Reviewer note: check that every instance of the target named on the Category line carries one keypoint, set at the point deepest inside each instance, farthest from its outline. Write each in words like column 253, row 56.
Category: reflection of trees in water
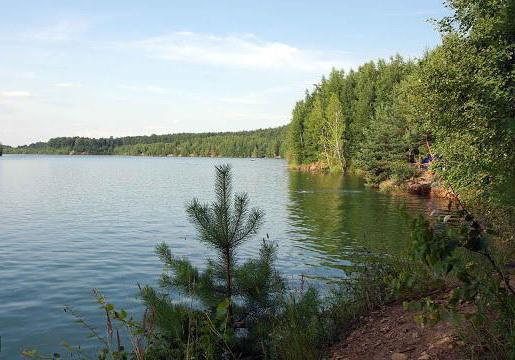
column 338, row 218
column 315, row 204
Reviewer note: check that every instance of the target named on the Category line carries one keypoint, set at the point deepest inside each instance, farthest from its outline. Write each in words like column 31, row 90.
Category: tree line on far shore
column 255, row 143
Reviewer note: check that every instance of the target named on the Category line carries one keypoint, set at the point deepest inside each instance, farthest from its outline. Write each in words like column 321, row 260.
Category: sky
column 122, row 67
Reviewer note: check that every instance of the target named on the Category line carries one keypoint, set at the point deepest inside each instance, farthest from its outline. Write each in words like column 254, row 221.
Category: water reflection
column 339, row 219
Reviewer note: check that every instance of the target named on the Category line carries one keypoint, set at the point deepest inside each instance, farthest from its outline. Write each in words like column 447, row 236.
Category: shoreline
column 423, row 185
column 152, row 156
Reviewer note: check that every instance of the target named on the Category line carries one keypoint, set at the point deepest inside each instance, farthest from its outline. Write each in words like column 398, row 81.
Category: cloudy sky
column 102, row 68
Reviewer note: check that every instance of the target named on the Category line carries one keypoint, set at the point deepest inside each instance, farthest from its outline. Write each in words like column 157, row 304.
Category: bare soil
column 391, row 333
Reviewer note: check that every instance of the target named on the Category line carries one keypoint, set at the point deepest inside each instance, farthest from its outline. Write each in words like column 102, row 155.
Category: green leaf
column 221, row 309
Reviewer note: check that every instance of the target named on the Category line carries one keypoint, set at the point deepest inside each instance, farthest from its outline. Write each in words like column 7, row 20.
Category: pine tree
column 313, row 131
column 363, row 106
column 382, row 152
column 295, row 134
column 224, row 226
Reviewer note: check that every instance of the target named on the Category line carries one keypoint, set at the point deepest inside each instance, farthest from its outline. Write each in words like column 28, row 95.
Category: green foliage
column 433, row 246
column 295, row 135
column 402, row 171
column 179, row 330
column 313, row 130
column 465, row 94
column 230, row 295
column 257, row 143
column 333, row 133
column 457, row 102
column 299, row 332
column 466, row 257
column 382, row 152
column 346, row 113
column 309, row 322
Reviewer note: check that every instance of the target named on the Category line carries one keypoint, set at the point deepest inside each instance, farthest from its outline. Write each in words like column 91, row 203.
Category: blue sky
column 102, row 68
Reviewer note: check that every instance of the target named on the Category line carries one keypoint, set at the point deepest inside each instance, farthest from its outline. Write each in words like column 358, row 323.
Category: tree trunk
column 228, row 290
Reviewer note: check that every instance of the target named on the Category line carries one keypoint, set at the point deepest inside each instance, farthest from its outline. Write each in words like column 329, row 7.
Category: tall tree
column 335, row 125
column 465, row 96
column 363, row 107
column 295, row 140
column 314, row 150
column 382, row 153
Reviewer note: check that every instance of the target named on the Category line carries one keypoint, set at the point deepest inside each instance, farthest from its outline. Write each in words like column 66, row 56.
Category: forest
column 256, row 143
column 452, row 111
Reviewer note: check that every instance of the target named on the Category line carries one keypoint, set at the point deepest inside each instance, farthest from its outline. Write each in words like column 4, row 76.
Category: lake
column 69, row 224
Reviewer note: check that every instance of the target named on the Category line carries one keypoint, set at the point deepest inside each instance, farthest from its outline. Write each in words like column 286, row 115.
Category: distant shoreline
column 259, row 143
column 153, row 156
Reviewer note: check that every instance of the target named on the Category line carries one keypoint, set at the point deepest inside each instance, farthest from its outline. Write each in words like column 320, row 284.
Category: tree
column 295, row 134
column 335, row 125
column 224, row 226
column 363, row 106
column 382, row 153
column 261, row 143
column 314, row 150
column 465, row 91
column 329, row 124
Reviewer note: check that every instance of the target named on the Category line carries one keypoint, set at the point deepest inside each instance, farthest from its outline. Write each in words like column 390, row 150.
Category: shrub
column 402, row 171
column 467, row 256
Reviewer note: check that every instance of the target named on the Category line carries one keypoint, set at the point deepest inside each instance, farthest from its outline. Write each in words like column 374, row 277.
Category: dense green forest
column 350, row 118
column 256, row 143
column 454, row 106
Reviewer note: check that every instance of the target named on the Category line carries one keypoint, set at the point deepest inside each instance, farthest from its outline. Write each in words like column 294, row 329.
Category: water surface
column 72, row 223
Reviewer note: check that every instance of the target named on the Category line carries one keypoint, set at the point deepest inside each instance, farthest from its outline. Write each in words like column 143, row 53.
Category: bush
column 466, row 255
column 402, row 171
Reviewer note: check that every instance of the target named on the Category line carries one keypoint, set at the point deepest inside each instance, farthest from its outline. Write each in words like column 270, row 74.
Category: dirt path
column 391, row 333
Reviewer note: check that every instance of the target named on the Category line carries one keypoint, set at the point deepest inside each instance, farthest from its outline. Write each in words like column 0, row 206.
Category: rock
column 385, row 329
column 419, row 187
column 424, row 356
column 399, row 356
column 443, row 342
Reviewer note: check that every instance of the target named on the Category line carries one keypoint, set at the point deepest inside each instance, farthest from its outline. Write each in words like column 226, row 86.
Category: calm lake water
column 71, row 224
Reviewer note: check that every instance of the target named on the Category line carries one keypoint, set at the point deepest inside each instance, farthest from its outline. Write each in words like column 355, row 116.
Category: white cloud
column 15, row 93
column 238, row 51
column 56, row 33
column 62, row 30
